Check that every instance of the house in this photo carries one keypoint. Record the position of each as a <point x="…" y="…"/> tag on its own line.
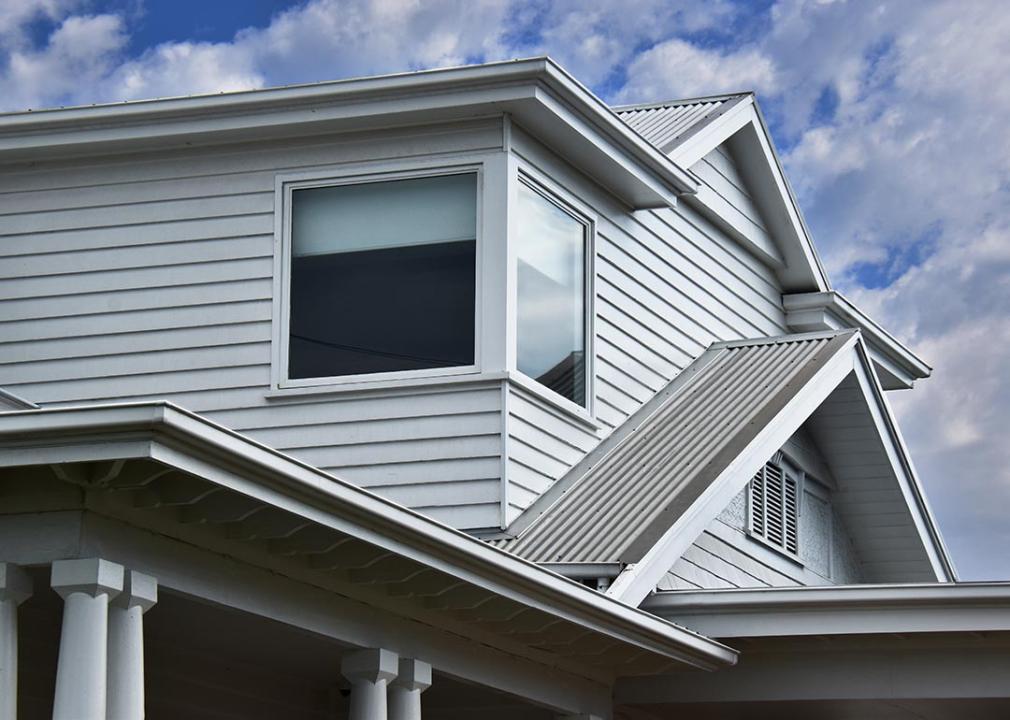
<point x="458" y="393"/>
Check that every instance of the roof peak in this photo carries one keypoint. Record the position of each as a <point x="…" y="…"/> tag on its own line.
<point x="722" y="97"/>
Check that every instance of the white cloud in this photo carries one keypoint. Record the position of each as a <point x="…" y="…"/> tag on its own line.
<point x="676" y="68"/>
<point x="893" y="113"/>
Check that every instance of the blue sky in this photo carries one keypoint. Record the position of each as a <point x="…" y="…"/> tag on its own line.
<point x="890" y="117"/>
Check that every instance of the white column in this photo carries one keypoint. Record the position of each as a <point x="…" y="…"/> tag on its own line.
<point x="15" y="588"/>
<point x="369" y="672"/>
<point x="86" y="587"/>
<point x="413" y="678"/>
<point x="126" y="646"/>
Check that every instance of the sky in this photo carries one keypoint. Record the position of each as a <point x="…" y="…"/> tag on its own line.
<point x="890" y="117"/>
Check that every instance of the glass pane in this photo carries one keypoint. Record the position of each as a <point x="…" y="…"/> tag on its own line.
<point x="551" y="250"/>
<point x="383" y="277"/>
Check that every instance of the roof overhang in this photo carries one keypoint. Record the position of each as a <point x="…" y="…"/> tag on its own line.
<point x="789" y="249"/>
<point x="536" y="93"/>
<point x="839" y="610"/>
<point x="160" y="457"/>
<point x="896" y="365"/>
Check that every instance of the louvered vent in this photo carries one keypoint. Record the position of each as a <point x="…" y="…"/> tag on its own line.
<point x="774" y="507"/>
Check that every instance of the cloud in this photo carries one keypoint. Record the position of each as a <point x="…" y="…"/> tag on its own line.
<point x="676" y="68"/>
<point x="890" y="116"/>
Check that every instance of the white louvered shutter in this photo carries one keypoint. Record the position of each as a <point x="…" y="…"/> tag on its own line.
<point x="774" y="507"/>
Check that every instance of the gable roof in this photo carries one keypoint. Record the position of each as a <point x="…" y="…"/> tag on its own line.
<point x="671" y="123"/>
<point x="614" y="505"/>
<point x="688" y="130"/>
<point x="650" y="489"/>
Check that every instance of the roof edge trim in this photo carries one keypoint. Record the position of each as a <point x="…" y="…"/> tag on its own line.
<point x="831" y="310"/>
<point x="381" y="521"/>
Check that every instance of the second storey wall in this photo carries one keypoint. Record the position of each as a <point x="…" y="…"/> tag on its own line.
<point x="668" y="283"/>
<point x="150" y="277"/>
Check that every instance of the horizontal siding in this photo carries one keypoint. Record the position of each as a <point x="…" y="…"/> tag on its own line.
<point x="719" y="172"/>
<point x="542" y="444"/>
<point x="668" y="283"/>
<point x="730" y="558"/>
<point x="150" y="277"/>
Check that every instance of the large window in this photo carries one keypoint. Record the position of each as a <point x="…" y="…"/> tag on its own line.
<point x="551" y="304"/>
<point x="382" y="276"/>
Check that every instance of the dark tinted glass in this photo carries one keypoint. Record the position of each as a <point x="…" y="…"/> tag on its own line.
<point x="372" y="292"/>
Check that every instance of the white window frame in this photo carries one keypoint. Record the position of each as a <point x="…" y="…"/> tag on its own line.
<point x="567" y="203"/>
<point x="285" y="185"/>
<point x="792" y="470"/>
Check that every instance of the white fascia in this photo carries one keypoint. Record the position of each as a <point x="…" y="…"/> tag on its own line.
<point x="535" y="92"/>
<point x="169" y="434"/>
<point x="897" y="366"/>
<point x="838" y="609"/>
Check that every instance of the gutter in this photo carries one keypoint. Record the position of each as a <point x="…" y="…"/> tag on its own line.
<point x="132" y="121"/>
<point x="808" y="311"/>
<point x="374" y="519"/>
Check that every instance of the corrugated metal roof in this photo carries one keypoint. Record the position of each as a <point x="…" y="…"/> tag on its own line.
<point x="614" y="506"/>
<point x="666" y="125"/>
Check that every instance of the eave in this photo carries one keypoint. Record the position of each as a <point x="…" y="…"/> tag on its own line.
<point x="896" y="365"/>
<point x="839" y="610"/>
<point x="88" y="446"/>
<point x="536" y="93"/>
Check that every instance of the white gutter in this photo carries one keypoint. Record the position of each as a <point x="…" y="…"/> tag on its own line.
<point x="263" y="473"/>
<point x="832" y="310"/>
<point x="839" y="610"/>
<point x="443" y="94"/>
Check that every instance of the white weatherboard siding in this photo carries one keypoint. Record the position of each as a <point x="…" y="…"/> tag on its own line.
<point x="719" y="171"/>
<point x="724" y="556"/>
<point x="150" y="277"/>
<point x="668" y="284"/>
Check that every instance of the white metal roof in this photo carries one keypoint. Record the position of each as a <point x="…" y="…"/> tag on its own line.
<point x="668" y="124"/>
<point x="618" y="502"/>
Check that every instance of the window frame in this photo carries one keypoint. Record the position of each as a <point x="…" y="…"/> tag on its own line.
<point x="285" y="184"/>
<point x="792" y="470"/>
<point x="568" y="204"/>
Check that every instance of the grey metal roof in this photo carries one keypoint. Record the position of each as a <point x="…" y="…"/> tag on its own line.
<point x="615" y="504"/>
<point x="666" y="125"/>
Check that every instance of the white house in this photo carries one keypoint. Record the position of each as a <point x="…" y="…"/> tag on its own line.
<point x="457" y="393"/>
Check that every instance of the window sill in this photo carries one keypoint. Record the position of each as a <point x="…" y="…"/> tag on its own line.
<point x="417" y="382"/>
<point x="555" y="402"/>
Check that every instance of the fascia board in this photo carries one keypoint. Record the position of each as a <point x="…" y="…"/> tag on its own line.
<point x="689" y="150"/>
<point x="536" y="92"/>
<point x="807" y="311"/>
<point x="839" y="610"/>
<point x="802" y="267"/>
<point x="792" y="206"/>
<point x="901" y="462"/>
<point x="222" y="456"/>
<point x="640" y="579"/>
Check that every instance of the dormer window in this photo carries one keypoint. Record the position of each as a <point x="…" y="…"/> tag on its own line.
<point x="551" y="306"/>
<point x="382" y="276"/>
<point x="774" y="506"/>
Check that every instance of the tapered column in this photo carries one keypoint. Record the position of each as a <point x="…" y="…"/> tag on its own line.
<point x="15" y="588"/>
<point x="126" y="646"/>
<point x="412" y="679"/>
<point x="86" y="587"/>
<point x="369" y="672"/>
